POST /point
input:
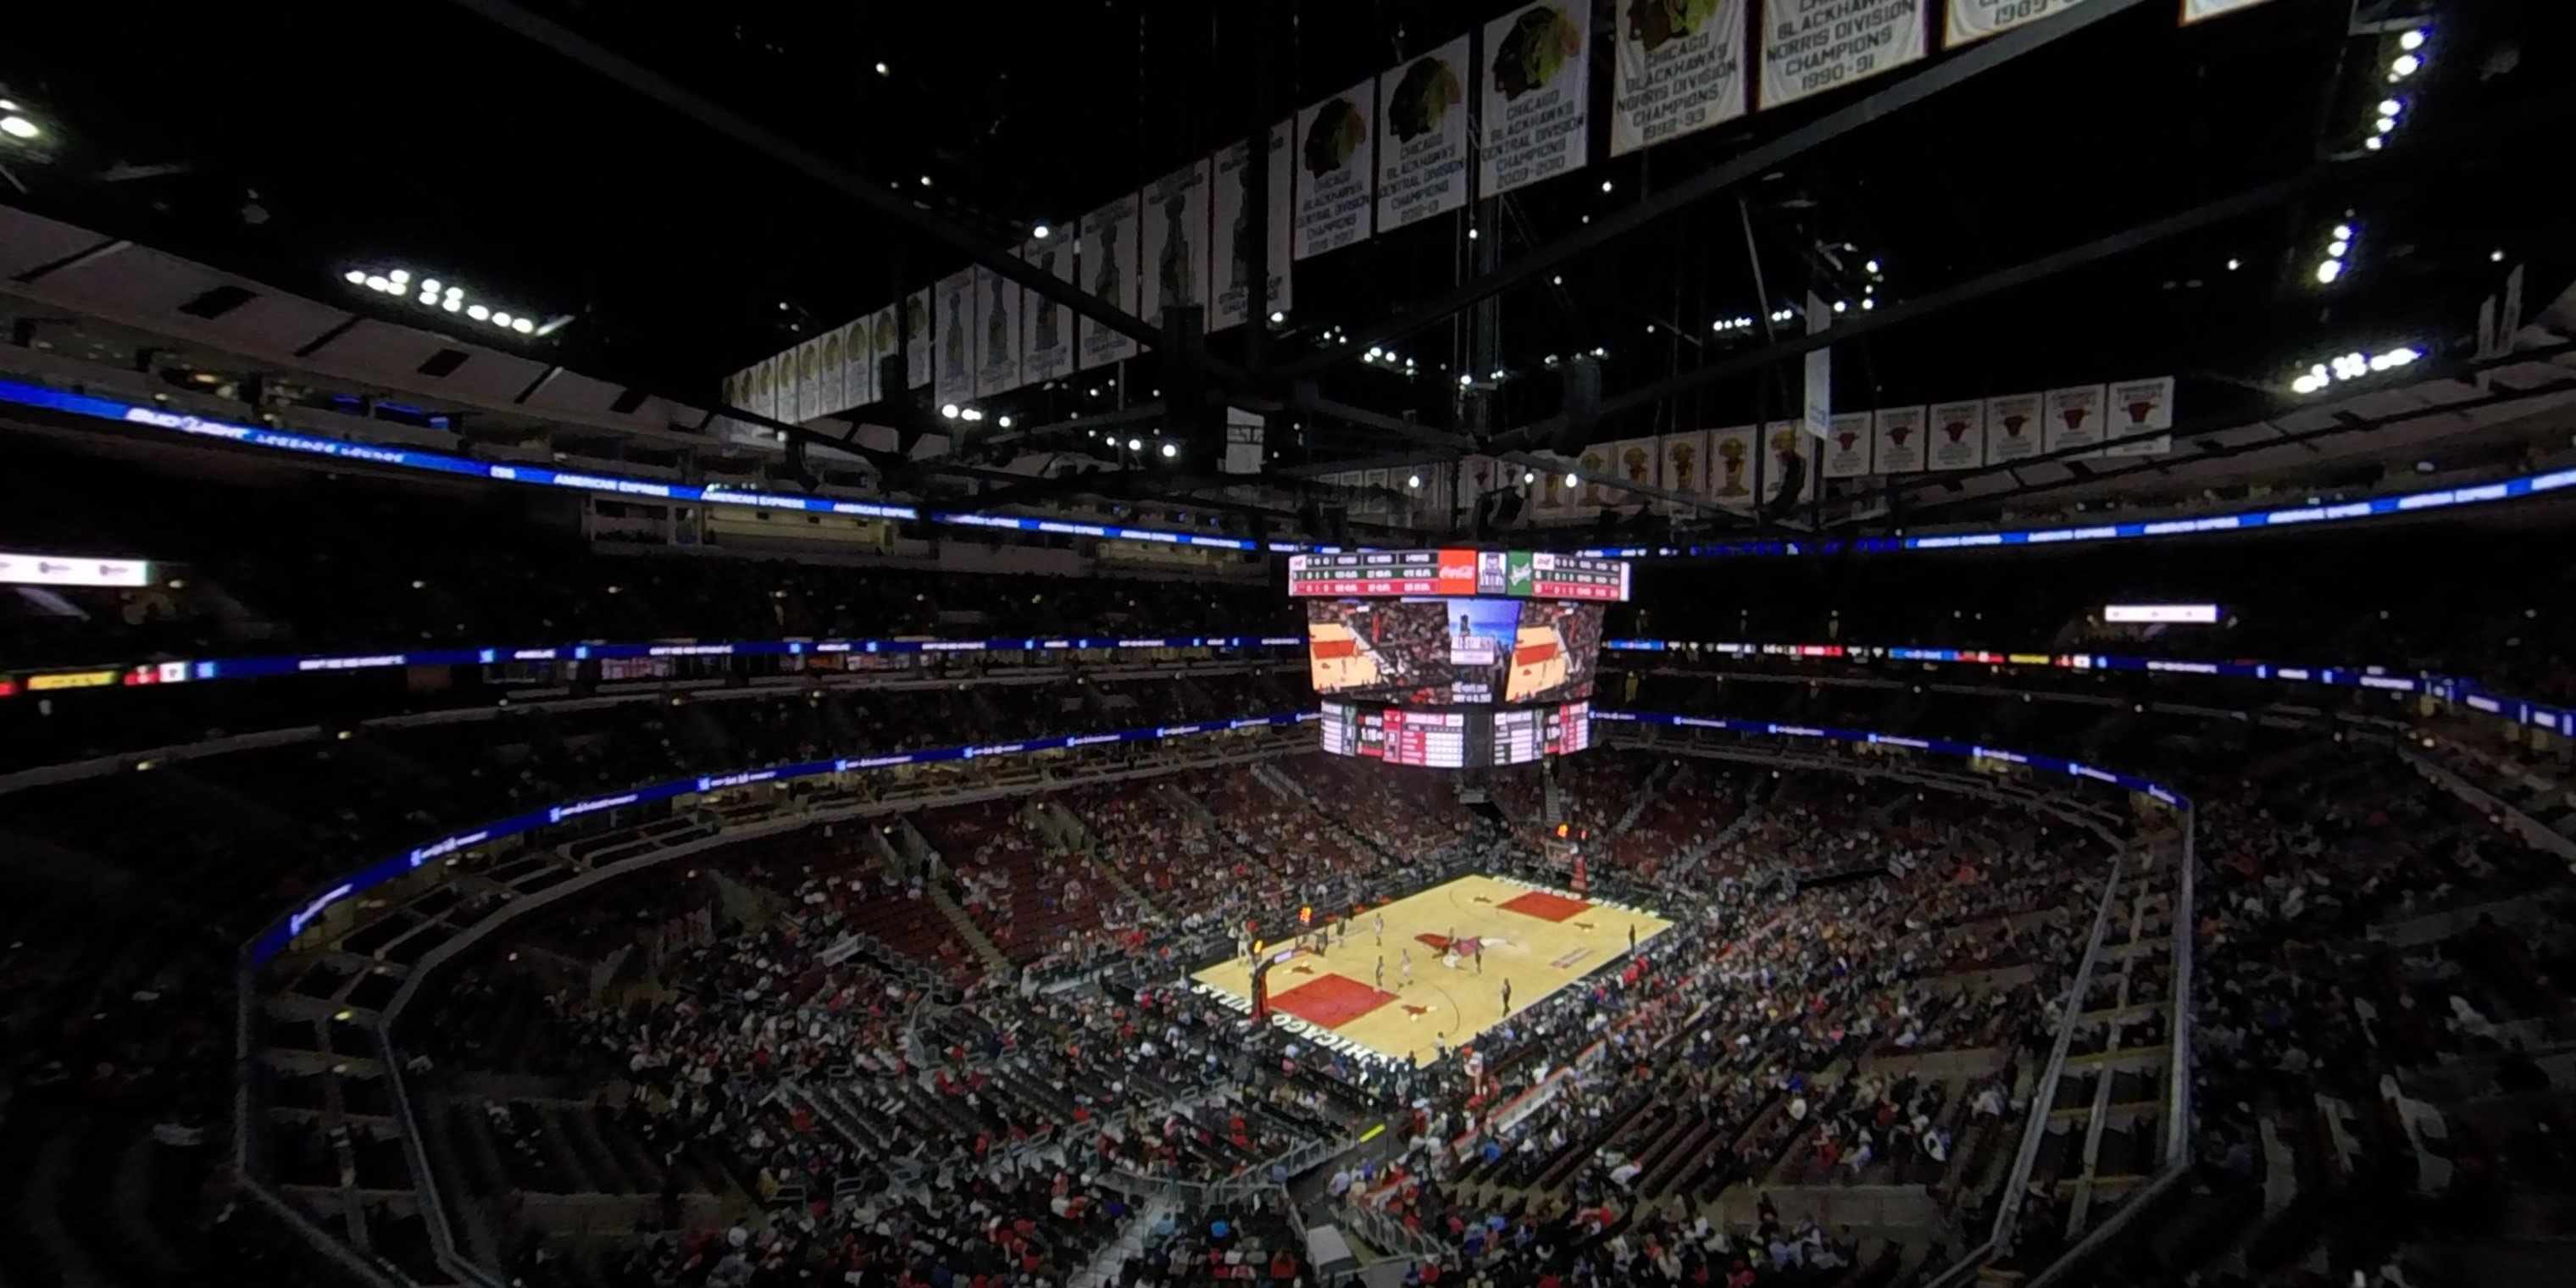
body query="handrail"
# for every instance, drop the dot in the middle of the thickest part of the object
(2043, 1090)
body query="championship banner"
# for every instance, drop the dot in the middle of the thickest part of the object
(1176, 244)
(1899, 436)
(1633, 460)
(916, 339)
(997, 334)
(1685, 464)
(1958, 435)
(1819, 408)
(1789, 442)
(1046, 346)
(1973, 20)
(1554, 498)
(833, 378)
(1537, 101)
(1731, 466)
(1847, 446)
(2074, 418)
(1107, 264)
(2197, 10)
(764, 388)
(859, 363)
(1422, 145)
(2012, 428)
(1679, 67)
(2142, 415)
(884, 341)
(732, 395)
(809, 381)
(953, 372)
(1810, 46)
(1234, 229)
(1589, 494)
(1337, 170)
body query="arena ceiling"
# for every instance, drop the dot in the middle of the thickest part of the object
(2190, 175)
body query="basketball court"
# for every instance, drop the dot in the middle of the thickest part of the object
(1538, 939)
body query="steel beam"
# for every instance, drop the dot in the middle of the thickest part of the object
(661, 89)
(1948, 74)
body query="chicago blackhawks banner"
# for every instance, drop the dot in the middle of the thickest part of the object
(1679, 67)
(1422, 140)
(1234, 229)
(1537, 104)
(1336, 170)
(1810, 46)
(1978, 19)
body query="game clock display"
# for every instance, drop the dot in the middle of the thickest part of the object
(1460, 738)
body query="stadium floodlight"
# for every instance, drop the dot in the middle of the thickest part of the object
(881, 70)
(2406, 65)
(2328, 271)
(2343, 232)
(477, 312)
(1277, 317)
(19, 127)
(2411, 41)
(378, 282)
(2391, 106)
(452, 304)
(1041, 232)
(2336, 249)
(1171, 450)
(500, 319)
(1413, 480)
(430, 286)
(1570, 479)
(355, 277)
(948, 411)
(522, 325)
(1135, 444)
(1004, 422)
(399, 277)
(429, 297)
(1528, 477)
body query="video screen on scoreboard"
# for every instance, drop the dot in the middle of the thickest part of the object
(1454, 739)
(1453, 651)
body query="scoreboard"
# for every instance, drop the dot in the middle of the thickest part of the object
(1467, 738)
(1457, 573)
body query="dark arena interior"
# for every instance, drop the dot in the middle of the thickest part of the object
(1732, 643)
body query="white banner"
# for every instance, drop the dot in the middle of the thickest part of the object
(1731, 466)
(2074, 418)
(1589, 495)
(1958, 435)
(1552, 498)
(1819, 407)
(858, 363)
(2195, 10)
(997, 334)
(953, 378)
(1899, 435)
(1678, 68)
(1633, 460)
(1789, 441)
(68, 570)
(1537, 104)
(883, 342)
(764, 387)
(1245, 435)
(1847, 447)
(1337, 170)
(1046, 346)
(1422, 137)
(809, 380)
(918, 364)
(1176, 244)
(2141, 417)
(1107, 263)
(1977, 19)
(1234, 229)
(1810, 46)
(2012, 428)
(834, 377)
(1684, 465)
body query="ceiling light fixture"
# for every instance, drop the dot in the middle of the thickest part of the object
(19, 127)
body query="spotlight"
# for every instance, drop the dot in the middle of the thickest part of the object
(399, 277)
(501, 319)
(2343, 232)
(2384, 125)
(429, 297)
(2391, 106)
(1171, 450)
(477, 312)
(1870, 268)
(1135, 445)
(2411, 41)
(2405, 66)
(2335, 250)
(1570, 479)
(430, 286)
(1605, 185)
(1556, 280)
(1528, 477)
(2374, 143)
(1413, 480)
(881, 69)
(948, 411)
(452, 304)
(355, 277)
(1041, 232)
(378, 282)
(1004, 422)
(1277, 317)
(19, 127)
(2329, 270)
(1471, 234)
(2495, 257)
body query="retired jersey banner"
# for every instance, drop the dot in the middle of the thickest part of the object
(1811, 46)
(1234, 229)
(763, 398)
(1107, 266)
(2142, 417)
(2012, 428)
(2195, 10)
(1422, 137)
(858, 363)
(2074, 418)
(1336, 170)
(1847, 446)
(1177, 262)
(997, 334)
(1537, 99)
(953, 312)
(884, 341)
(1679, 67)
(809, 380)
(1958, 435)
(918, 359)
(1046, 347)
(1977, 19)
(1898, 439)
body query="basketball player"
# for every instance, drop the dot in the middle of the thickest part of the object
(1408, 965)
(1381, 972)
(1507, 997)
(1381, 930)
